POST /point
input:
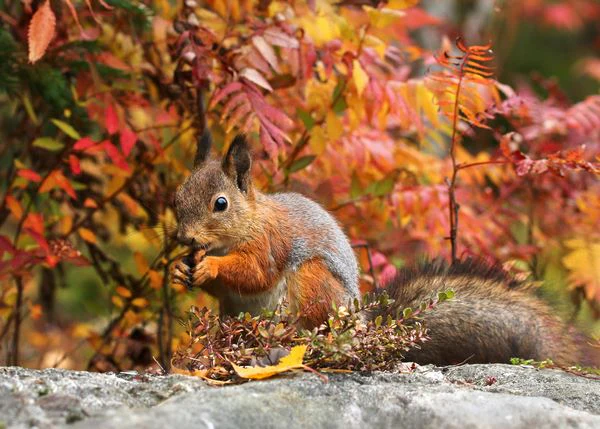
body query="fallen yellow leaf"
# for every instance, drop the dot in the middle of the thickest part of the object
(286, 363)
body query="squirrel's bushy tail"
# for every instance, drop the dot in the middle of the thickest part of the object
(492, 318)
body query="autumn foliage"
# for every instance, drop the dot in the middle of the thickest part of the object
(391, 115)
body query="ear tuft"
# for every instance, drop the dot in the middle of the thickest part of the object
(203, 147)
(238, 162)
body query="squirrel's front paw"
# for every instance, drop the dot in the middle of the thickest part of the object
(206, 270)
(182, 272)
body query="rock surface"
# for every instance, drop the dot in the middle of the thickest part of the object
(470, 396)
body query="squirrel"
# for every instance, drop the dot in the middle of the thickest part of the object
(253, 251)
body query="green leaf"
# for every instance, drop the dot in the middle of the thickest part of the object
(48, 143)
(66, 128)
(444, 296)
(355, 188)
(381, 187)
(378, 321)
(407, 312)
(301, 163)
(306, 119)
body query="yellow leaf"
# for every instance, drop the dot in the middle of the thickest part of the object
(64, 224)
(115, 184)
(117, 301)
(584, 263)
(123, 291)
(87, 235)
(427, 101)
(318, 140)
(200, 373)
(359, 76)
(81, 330)
(287, 363)
(335, 128)
(402, 4)
(381, 18)
(41, 31)
(377, 44)
(141, 263)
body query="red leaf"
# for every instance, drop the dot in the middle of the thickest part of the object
(39, 237)
(41, 31)
(30, 175)
(115, 155)
(83, 144)
(5, 245)
(224, 92)
(74, 164)
(112, 121)
(127, 140)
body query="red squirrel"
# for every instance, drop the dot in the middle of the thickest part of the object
(253, 250)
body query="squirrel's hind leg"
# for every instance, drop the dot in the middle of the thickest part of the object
(311, 291)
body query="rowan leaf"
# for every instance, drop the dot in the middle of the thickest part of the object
(66, 128)
(360, 77)
(255, 77)
(286, 363)
(127, 139)
(41, 31)
(302, 163)
(48, 143)
(29, 175)
(123, 291)
(111, 119)
(141, 263)
(88, 235)
(583, 262)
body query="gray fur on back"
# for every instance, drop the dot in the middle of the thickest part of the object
(332, 244)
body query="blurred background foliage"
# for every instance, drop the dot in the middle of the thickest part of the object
(97, 132)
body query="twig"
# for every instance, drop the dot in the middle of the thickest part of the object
(14, 352)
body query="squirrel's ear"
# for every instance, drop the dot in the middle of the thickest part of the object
(238, 162)
(203, 147)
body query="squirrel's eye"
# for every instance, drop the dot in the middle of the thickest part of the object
(220, 204)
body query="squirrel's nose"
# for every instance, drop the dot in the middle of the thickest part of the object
(184, 239)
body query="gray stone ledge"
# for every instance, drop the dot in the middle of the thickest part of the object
(469, 396)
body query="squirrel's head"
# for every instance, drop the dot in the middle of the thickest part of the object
(214, 205)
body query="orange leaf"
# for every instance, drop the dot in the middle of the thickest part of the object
(89, 203)
(87, 235)
(41, 31)
(36, 312)
(123, 291)
(141, 263)
(14, 206)
(140, 302)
